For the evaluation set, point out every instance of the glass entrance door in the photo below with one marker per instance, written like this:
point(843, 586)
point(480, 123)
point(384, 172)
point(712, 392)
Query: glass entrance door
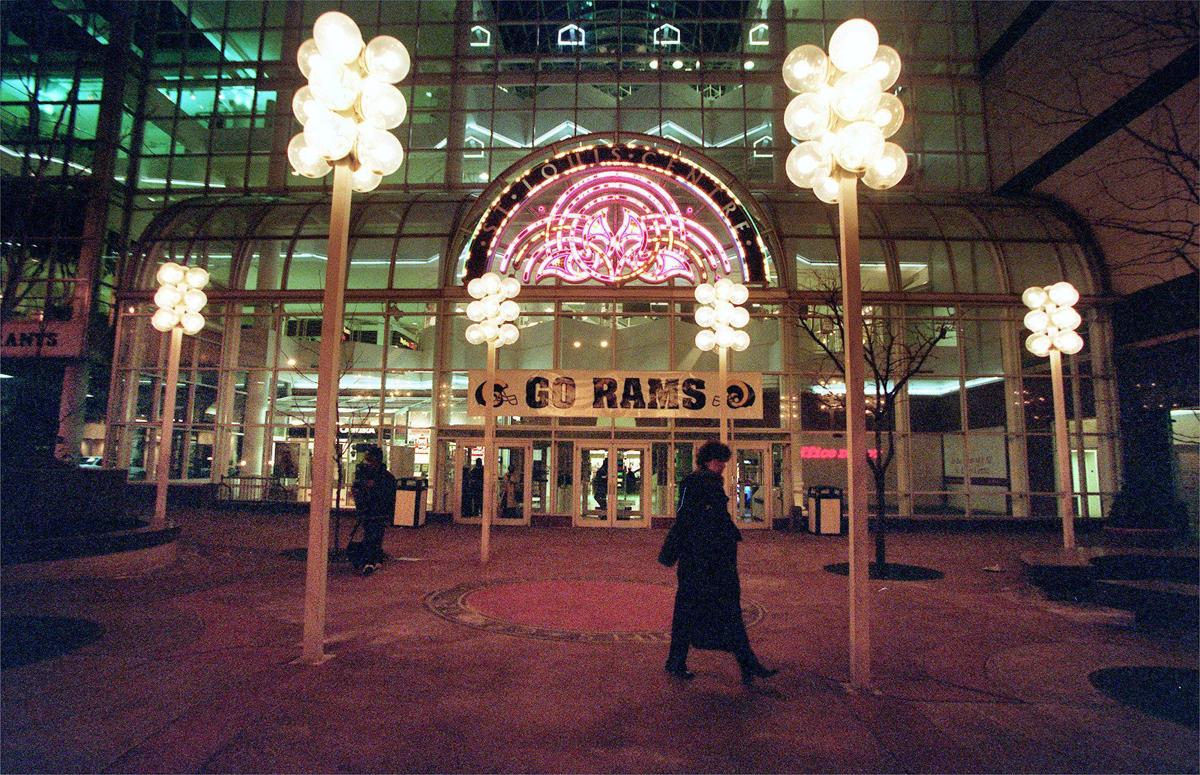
point(613, 489)
point(513, 488)
point(752, 480)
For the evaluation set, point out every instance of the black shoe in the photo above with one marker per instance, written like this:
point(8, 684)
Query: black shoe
point(758, 671)
point(368, 569)
point(681, 673)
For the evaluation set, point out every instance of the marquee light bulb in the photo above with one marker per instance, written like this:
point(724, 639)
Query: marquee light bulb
point(1063, 294)
point(167, 296)
point(164, 320)
point(337, 37)
point(1034, 297)
point(853, 45)
point(805, 68)
point(170, 273)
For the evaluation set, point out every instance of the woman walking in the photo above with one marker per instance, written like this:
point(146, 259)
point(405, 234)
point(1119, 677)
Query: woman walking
point(708, 601)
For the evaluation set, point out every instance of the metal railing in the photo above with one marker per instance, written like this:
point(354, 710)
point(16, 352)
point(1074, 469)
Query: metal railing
point(257, 489)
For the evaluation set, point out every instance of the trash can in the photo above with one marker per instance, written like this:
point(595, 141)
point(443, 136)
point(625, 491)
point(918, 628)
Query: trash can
point(825, 510)
point(410, 501)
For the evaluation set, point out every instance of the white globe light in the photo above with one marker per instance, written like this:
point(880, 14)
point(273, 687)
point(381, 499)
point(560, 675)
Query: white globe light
point(330, 135)
point(490, 307)
point(1063, 294)
point(510, 310)
point(381, 105)
point(491, 283)
point(853, 45)
point(705, 316)
point(1034, 297)
point(302, 102)
point(474, 334)
point(1068, 342)
point(807, 116)
point(1066, 319)
point(1036, 320)
point(725, 336)
point(889, 114)
point(170, 273)
point(739, 317)
point(476, 288)
point(164, 320)
point(739, 293)
point(1038, 344)
point(194, 299)
point(706, 339)
point(807, 162)
point(387, 59)
point(860, 145)
point(191, 322)
point(888, 169)
point(379, 150)
point(509, 333)
point(167, 296)
point(490, 330)
point(510, 287)
point(722, 287)
point(705, 293)
point(196, 277)
point(365, 179)
point(305, 159)
point(333, 85)
point(338, 37)
point(885, 68)
point(723, 312)
point(855, 96)
point(805, 68)
point(475, 310)
point(741, 340)
point(308, 49)
point(827, 190)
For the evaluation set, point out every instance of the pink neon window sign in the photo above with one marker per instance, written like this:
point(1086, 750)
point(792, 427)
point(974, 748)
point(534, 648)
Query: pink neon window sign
point(614, 225)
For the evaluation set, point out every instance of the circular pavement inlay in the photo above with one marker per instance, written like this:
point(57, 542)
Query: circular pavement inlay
point(28, 639)
point(1165, 692)
point(589, 610)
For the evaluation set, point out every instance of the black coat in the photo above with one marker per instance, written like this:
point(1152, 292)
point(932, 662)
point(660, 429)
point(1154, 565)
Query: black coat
point(708, 602)
point(374, 492)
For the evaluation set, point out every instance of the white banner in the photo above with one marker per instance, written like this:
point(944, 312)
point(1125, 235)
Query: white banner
point(578, 393)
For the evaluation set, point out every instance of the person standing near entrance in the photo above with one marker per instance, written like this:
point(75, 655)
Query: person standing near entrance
point(708, 600)
point(374, 491)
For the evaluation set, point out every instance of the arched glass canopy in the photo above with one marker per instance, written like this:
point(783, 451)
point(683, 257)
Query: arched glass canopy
point(916, 244)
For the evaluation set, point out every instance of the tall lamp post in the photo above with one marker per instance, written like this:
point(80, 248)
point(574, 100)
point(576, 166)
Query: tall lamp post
point(347, 110)
point(842, 116)
point(1052, 319)
point(492, 315)
point(722, 318)
point(179, 298)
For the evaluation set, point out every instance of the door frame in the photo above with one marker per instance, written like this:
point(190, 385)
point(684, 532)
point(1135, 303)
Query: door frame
point(463, 448)
point(764, 449)
point(584, 488)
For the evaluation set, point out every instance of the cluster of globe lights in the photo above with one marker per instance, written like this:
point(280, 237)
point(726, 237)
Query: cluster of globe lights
point(350, 102)
point(180, 298)
point(493, 309)
point(1052, 319)
point(843, 113)
point(720, 316)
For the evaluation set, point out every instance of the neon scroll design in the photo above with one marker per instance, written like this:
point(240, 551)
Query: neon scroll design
point(615, 225)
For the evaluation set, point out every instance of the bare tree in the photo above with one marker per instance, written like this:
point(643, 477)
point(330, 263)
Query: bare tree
point(1145, 187)
point(894, 349)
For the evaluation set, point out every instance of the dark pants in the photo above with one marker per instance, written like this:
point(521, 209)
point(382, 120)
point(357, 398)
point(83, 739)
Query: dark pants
point(372, 540)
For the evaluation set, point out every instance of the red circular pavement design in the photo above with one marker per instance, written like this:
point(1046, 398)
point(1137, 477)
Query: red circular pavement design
point(578, 605)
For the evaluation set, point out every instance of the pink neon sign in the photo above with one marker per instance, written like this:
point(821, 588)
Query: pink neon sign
point(813, 452)
point(615, 225)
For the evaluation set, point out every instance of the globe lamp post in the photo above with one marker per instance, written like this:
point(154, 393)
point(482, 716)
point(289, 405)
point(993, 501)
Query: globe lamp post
point(347, 109)
point(179, 299)
point(492, 314)
point(1052, 319)
point(842, 116)
point(721, 319)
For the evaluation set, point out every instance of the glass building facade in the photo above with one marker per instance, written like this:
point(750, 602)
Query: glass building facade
point(196, 132)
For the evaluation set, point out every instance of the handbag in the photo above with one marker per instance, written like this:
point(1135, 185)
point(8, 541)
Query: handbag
point(669, 554)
